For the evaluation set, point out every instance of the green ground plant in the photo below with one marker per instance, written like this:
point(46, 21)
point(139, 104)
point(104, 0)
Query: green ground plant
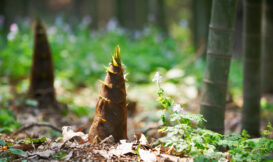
point(10, 153)
point(8, 122)
point(186, 136)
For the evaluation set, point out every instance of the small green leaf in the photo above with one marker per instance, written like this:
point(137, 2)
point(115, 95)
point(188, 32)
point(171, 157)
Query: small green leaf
point(43, 139)
point(2, 143)
point(3, 159)
point(269, 126)
point(19, 141)
point(63, 155)
point(266, 132)
point(137, 149)
point(162, 129)
point(163, 119)
point(17, 152)
point(245, 134)
point(9, 144)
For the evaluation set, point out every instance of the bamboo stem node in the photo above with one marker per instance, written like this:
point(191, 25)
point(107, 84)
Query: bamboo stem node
point(221, 29)
point(220, 84)
point(219, 54)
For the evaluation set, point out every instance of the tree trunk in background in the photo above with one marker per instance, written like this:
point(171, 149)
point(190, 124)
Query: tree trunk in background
point(105, 12)
point(142, 9)
point(238, 40)
point(160, 16)
point(267, 65)
point(2, 7)
point(93, 4)
point(201, 18)
point(126, 13)
point(78, 8)
point(119, 12)
point(10, 10)
point(9, 15)
point(39, 7)
point(42, 70)
point(3, 27)
point(130, 14)
point(219, 51)
point(25, 8)
point(252, 72)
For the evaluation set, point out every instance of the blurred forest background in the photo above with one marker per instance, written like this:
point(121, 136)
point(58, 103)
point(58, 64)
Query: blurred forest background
point(173, 30)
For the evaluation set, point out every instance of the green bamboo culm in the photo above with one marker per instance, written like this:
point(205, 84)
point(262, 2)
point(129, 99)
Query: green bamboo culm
point(252, 71)
point(219, 52)
point(267, 57)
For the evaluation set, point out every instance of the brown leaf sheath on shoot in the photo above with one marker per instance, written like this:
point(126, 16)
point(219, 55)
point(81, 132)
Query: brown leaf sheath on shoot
point(42, 71)
point(111, 112)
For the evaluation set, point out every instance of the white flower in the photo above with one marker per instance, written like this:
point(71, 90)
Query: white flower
point(13, 32)
point(178, 108)
point(52, 30)
point(13, 28)
point(157, 78)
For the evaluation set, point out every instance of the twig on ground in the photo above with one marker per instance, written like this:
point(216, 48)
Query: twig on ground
point(26, 127)
point(149, 129)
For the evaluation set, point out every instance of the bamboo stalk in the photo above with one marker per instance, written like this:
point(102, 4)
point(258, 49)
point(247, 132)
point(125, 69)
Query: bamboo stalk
point(267, 58)
point(252, 71)
point(219, 51)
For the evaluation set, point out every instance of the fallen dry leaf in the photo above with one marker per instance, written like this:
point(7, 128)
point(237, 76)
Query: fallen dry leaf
point(122, 149)
point(147, 156)
point(68, 133)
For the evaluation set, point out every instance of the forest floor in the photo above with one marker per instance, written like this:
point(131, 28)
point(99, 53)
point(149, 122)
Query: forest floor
point(41, 129)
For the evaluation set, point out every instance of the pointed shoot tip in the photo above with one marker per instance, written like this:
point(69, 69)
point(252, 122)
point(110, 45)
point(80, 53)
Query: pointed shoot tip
point(117, 53)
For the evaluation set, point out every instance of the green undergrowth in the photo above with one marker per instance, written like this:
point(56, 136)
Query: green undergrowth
point(81, 111)
point(236, 78)
point(266, 105)
point(185, 136)
point(8, 122)
point(10, 153)
point(79, 53)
